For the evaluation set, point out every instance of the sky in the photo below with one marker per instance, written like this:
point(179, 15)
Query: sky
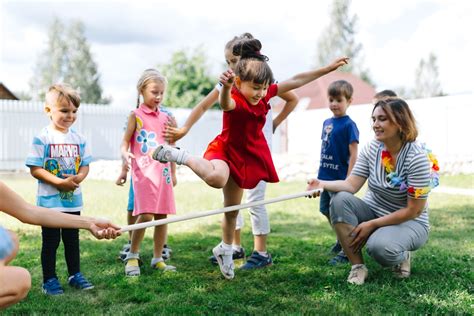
point(127, 37)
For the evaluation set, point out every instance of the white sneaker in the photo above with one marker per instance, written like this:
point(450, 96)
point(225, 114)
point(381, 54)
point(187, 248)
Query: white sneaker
point(403, 269)
point(358, 274)
point(225, 261)
point(162, 266)
point(166, 153)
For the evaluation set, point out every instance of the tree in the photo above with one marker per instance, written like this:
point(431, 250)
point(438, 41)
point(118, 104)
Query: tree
point(338, 39)
point(427, 82)
point(50, 66)
point(67, 58)
point(81, 70)
point(188, 78)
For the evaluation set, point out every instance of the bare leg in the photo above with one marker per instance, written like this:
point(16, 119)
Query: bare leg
point(260, 243)
point(137, 235)
point(343, 230)
point(214, 172)
point(237, 240)
point(232, 196)
point(15, 283)
point(130, 221)
point(159, 237)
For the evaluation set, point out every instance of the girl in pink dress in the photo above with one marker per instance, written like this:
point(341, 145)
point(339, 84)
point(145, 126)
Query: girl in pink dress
point(152, 181)
point(239, 157)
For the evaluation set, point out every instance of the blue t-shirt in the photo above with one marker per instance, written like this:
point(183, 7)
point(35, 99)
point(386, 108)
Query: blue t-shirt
point(338, 133)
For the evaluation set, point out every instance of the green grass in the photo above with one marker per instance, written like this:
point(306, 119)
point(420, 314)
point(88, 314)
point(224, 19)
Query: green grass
point(465, 181)
point(300, 281)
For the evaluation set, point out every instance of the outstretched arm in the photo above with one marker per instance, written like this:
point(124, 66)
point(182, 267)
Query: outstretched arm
point(12, 204)
point(306, 77)
point(291, 102)
point(227, 79)
point(173, 134)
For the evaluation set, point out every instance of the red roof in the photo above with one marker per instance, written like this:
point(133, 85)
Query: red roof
point(317, 90)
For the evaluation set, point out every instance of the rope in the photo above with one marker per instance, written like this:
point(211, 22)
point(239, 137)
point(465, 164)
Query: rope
point(185, 217)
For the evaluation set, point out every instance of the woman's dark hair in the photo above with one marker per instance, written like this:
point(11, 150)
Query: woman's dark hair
point(252, 65)
point(230, 44)
point(399, 113)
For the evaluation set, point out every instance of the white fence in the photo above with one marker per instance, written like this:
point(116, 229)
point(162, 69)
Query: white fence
point(443, 124)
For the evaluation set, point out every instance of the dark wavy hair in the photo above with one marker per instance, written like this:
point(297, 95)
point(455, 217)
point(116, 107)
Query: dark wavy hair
point(399, 113)
point(252, 65)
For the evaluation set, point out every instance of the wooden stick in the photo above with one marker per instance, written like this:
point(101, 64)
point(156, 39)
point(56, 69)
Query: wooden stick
point(185, 217)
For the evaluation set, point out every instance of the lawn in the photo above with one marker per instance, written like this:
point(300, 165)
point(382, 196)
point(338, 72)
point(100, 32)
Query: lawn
point(299, 282)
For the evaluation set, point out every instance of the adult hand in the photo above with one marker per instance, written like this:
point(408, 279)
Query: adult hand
point(312, 185)
point(102, 228)
point(360, 234)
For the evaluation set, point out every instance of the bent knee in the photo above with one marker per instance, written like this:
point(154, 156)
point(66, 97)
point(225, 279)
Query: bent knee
point(216, 181)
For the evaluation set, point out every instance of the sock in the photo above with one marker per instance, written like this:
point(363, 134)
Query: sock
point(155, 260)
point(226, 246)
point(236, 247)
point(359, 265)
point(263, 253)
point(133, 255)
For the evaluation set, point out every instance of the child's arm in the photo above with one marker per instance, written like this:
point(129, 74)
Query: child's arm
point(227, 79)
point(173, 134)
point(67, 184)
point(291, 102)
point(125, 145)
point(352, 156)
point(81, 174)
point(173, 174)
point(122, 178)
point(306, 77)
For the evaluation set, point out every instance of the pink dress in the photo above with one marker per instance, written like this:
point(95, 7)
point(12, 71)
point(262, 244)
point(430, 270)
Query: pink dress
point(152, 182)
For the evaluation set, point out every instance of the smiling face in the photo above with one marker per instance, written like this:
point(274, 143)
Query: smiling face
point(385, 130)
point(153, 94)
point(62, 114)
point(253, 92)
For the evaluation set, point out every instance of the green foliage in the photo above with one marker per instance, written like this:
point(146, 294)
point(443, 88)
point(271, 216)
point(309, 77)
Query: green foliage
point(67, 58)
point(339, 39)
point(188, 78)
point(427, 82)
point(299, 282)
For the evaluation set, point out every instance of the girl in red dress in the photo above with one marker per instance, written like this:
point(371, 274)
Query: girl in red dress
point(239, 157)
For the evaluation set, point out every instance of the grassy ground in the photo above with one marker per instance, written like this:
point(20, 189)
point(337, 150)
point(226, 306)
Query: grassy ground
point(300, 281)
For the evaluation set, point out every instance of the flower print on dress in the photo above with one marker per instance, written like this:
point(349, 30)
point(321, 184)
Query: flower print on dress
point(167, 175)
point(147, 139)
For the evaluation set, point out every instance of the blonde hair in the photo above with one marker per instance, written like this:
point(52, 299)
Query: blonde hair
point(148, 75)
point(61, 93)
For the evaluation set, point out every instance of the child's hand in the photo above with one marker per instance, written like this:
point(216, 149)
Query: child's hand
point(227, 78)
point(338, 63)
point(122, 178)
point(172, 134)
point(312, 185)
point(126, 158)
point(69, 183)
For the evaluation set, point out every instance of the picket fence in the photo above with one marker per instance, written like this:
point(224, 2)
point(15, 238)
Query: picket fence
point(443, 124)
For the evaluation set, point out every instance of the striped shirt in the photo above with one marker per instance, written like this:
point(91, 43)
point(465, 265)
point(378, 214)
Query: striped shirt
point(59, 154)
point(383, 198)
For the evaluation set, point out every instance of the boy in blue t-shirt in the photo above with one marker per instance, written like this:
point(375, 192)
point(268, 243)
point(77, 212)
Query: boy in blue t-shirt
point(340, 138)
point(59, 158)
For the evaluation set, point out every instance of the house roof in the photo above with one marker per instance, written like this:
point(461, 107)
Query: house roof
point(315, 92)
point(5, 93)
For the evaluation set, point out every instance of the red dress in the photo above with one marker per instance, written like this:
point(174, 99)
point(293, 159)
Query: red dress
point(242, 144)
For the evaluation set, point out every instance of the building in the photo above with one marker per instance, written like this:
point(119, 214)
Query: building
point(6, 94)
